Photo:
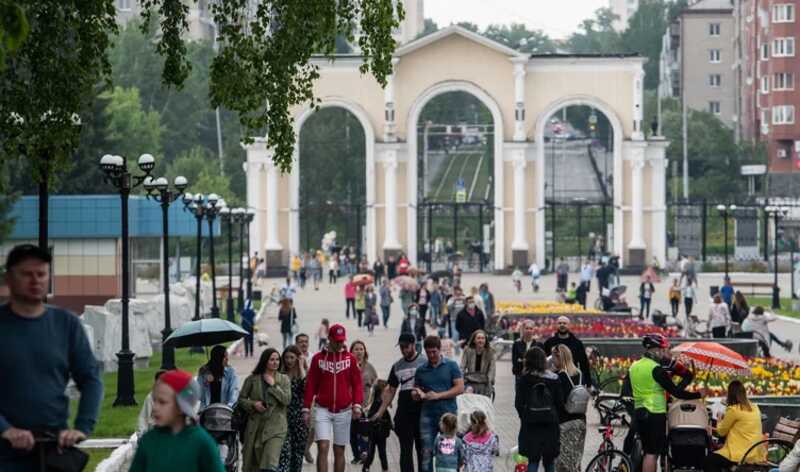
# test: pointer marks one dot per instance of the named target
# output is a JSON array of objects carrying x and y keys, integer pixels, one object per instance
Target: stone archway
[
  {"x": 294, "y": 182},
  {"x": 541, "y": 123},
  {"x": 412, "y": 182}
]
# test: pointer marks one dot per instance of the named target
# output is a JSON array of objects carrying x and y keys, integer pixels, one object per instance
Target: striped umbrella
[{"x": 713, "y": 357}]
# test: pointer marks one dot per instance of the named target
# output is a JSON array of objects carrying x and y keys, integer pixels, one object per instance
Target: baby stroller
[
  {"x": 217, "y": 419},
  {"x": 613, "y": 300},
  {"x": 688, "y": 441}
]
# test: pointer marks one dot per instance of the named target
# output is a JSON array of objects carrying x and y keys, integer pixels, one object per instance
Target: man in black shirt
[
  {"x": 564, "y": 336},
  {"x": 391, "y": 268},
  {"x": 406, "y": 416},
  {"x": 469, "y": 320}
]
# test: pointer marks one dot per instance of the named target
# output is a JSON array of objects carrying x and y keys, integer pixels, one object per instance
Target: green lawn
[
  {"x": 96, "y": 456},
  {"x": 120, "y": 422},
  {"x": 766, "y": 302}
]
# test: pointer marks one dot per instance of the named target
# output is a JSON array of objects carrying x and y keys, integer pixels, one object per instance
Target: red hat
[
  {"x": 337, "y": 334},
  {"x": 187, "y": 392}
]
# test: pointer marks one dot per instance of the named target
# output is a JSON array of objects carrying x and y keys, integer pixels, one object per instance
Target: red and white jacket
[{"x": 334, "y": 380}]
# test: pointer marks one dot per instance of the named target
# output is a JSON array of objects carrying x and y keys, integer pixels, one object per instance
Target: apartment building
[
  {"x": 697, "y": 56},
  {"x": 768, "y": 71}
]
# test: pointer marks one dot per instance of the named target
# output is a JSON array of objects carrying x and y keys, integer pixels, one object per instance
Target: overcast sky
[{"x": 557, "y": 18}]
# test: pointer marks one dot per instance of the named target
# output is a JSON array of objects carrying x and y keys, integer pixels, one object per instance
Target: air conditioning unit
[{"x": 782, "y": 154}]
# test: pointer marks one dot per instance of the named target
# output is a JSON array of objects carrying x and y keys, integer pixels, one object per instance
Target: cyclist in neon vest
[{"x": 651, "y": 380}]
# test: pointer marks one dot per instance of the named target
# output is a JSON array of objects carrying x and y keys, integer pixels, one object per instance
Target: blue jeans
[
  {"x": 386, "y": 309},
  {"x": 287, "y": 339},
  {"x": 534, "y": 467},
  {"x": 428, "y": 428}
]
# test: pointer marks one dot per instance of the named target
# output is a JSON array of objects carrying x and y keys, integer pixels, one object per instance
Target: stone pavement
[{"x": 328, "y": 302}]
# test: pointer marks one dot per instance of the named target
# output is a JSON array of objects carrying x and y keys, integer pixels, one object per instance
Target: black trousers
[
  {"x": 360, "y": 318},
  {"x": 407, "y": 429},
  {"x": 351, "y": 302},
  {"x": 675, "y": 305},
  {"x": 716, "y": 463},
  {"x": 377, "y": 442},
  {"x": 688, "y": 303},
  {"x": 719, "y": 332}
]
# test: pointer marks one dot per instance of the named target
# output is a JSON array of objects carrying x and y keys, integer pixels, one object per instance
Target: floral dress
[{"x": 295, "y": 445}]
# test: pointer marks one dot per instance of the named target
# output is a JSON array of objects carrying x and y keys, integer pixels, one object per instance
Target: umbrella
[
  {"x": 713, "y": 357},
  {"x": 205, "y": 332},
  {"x": 406, "y": 283},
  {"x": 650, "y": 272},
  {"x": 362, "y": 279}
]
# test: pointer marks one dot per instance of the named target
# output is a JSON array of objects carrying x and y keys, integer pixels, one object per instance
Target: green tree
[
  {"x": 429, "y": 27},
  {"x": 519, "y": 37},
  {"x": 13, "y": 28},
  {"x": 645, "y": 29},
  {"x": 596, "y": 35},
  {"x": 468, "y": 25},
  {"x": 200, "y": 168},
  {"x": 130, "y": 130}
]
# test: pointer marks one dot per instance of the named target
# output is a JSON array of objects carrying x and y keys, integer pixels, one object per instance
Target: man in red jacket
[{"x": 334, "y": 386}]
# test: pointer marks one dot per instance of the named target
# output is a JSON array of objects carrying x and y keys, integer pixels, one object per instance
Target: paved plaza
[{"x": 328, "y": 302}]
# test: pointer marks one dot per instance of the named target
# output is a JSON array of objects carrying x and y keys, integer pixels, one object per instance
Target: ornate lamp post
[
  {"x": 249, "y": 216},
  {"x": 725, "y": 212},
  {"x": 227, "y": 215},
  {"x": 158, "y": 189},
  {"x": 214, "y": 205},
  {"x": 116, "y": 173},
  {"x": 194, "y": 204},
  {"x": 776, "y": 213},
  {"x": 240, "y": 215}
]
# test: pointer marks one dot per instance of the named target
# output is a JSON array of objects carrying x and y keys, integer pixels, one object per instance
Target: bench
[
  {"x": 780, "y": 443},
  {"x": 754, "y": 286}
]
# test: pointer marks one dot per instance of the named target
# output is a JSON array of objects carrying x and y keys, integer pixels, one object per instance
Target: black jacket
[
  {"x": 467, "y": 324},
  {"x": 578, "y": 353},
  {"x": 518, "y": 350},
  {"x": 538, "y": 441},
  {"x": 419, "y": 329}
]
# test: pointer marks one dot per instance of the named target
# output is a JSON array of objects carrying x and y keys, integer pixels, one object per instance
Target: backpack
[
  {"x": 540, "y": 407},
  {"x": 578, "y": 398}
]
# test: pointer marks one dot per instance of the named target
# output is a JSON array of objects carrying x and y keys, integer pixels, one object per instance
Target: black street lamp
[
  {"x": 158, "y": 189},
  {"x": 725, "y": 212},
  {"x": 241, "y": 218},
  {"x": 230, "y": 216},
  {"x": 776, "y": 213},
  {"x": 249, "y": 216},
  {"x": 116, "y": 173},
  {"x": 195, "y": 205},
  {"x": 214, "y": 205}
]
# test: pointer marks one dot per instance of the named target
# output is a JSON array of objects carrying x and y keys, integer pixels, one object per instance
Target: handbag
[{"x": 70, "y": 459}]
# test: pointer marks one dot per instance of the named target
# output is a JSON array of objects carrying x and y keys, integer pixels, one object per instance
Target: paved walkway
[{"x": 328, "y": 302}]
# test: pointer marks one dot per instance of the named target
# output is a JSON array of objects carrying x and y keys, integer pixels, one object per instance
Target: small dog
[{"x": 262, "y": 339}]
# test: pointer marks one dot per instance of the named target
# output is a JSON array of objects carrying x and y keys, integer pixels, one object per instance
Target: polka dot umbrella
[{"x": 712, "y": 357}]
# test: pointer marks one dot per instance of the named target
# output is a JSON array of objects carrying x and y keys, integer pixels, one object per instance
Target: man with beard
[
  {"x": 469, "y": 320},
  {"x": 564, "y": 336}
]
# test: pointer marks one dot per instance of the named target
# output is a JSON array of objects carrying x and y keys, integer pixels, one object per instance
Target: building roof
[
  {"x": 621, "y": 55},
  {"x": 703, "y": 6},
  {"x": 99, "y": 216},
  {"x": 420, "y": 43}
]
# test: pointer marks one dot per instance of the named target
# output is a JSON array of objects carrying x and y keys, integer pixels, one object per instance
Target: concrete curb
[{"x": 788, "y": 319}]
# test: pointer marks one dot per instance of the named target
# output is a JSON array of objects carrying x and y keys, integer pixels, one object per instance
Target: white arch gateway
[{"x": 522, "y": 92}]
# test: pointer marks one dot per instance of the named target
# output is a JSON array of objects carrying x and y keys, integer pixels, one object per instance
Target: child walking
[
  {"x": 480, "y": 444},
  {"x": 176, "y": 442},
  {"x": 322, "y": 333},
  {"x": 448, "y": 449},
  {"x": 380, "y": 429}
]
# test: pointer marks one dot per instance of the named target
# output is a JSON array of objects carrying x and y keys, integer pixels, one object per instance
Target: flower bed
[
  {"x": 597, "y": 327},
  {"x": 770, "y": 376},
  {"x": 543, "y": 308}
]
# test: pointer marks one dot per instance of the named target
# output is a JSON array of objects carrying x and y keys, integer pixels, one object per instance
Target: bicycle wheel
[{"x": 610, "y": 461}]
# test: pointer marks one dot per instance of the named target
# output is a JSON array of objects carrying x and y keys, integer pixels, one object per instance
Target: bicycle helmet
[{"x": 655, "y": 340}]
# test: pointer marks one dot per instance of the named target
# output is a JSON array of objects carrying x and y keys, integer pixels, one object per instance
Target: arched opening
[
  {"x": 332, "y": 182},
  {"x": 579, "y": 160},
  {"x": 455, "y": 135}
]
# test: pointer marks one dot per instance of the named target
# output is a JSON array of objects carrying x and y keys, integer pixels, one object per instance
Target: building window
[
  {"x": 783, "y": 81},
  {"x": 715, "y": 80},
  {"x": 123, "y": 5},
  {"x": 764, "y": 121},
  {"x": 783, "y": 13},
  {"x": 765, "y": 84},
  {"x": 783, "y": 115},
  {"x": 765, "y": 51},
  {"x": 783, "y": 47},
  {"x": 714, "y": 55},
  {"x": 713, "y": 107},
  {"x": 714, "y": 29}
]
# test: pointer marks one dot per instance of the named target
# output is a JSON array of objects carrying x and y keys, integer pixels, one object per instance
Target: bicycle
[{"x": 609, "y": 458}]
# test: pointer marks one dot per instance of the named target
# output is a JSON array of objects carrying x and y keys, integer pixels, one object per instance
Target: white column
[
  {"x": 390, "y": 122},
  {"x": 520, "y": 242},
  {"x": 637, "y": 205},
  {"x": 519, "y": 100},
  {"x": 253, "y": 172},
  {"x": 638, "y": 107},
  {"x": 273, "y": 243},
  {"x": 390, "y": 199},
  {"x": 656, "y": 151}
]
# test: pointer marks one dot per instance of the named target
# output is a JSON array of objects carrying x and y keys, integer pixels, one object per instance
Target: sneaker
[
  {"x": 789, "y": 345},
  {"x": 309, "y": 457}
]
